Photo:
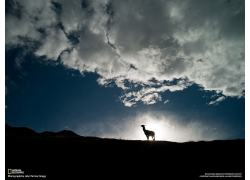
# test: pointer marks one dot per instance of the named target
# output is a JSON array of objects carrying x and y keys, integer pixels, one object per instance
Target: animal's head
[{"x": 142, "y": 125}]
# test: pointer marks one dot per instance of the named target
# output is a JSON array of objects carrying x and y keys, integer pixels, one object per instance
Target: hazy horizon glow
[{"x": 166, "y": 129}]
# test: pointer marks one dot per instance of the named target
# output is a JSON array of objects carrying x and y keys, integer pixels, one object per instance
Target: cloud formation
[
  {"x": 217, "y": 101},
  {"x": 144, "y": 47}
]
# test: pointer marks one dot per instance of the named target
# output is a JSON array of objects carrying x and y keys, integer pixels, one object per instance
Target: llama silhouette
[{"x": 148, "y": 133}]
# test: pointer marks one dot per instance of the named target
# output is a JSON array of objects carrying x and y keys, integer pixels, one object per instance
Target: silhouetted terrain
[{"x": 67, "y": 155}]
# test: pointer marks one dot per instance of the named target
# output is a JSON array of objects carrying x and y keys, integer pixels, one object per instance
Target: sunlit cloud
[
  {"x": 217, "y": 101},
  {"x": 202, "y": 42},
  {"x": 167, "y": 101},
  {"x": 53, "y": 45},
  {"x": 151, "y": 95}
]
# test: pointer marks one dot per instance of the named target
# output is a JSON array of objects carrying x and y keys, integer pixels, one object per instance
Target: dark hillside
[{"x": 66, "y": 154}]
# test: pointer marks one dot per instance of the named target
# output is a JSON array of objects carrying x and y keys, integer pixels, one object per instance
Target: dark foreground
[{"x": 67, "y": 155}]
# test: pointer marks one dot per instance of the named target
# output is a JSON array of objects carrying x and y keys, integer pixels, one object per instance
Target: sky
[{"x": 104, "y": 68}]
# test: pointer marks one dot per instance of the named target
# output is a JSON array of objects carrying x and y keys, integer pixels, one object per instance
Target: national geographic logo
[
  {"x": 18, "y": 173},
  {"x": 15, "y": 171}
]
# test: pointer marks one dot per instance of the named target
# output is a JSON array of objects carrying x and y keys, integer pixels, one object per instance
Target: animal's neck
[{"x": 143, "y": 128}]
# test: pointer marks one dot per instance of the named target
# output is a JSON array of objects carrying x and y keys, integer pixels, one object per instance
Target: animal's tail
[{"x": 154, "y": 137}]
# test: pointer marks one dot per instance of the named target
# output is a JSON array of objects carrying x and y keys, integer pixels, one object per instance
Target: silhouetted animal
[{"x": 148, "y": 133}]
